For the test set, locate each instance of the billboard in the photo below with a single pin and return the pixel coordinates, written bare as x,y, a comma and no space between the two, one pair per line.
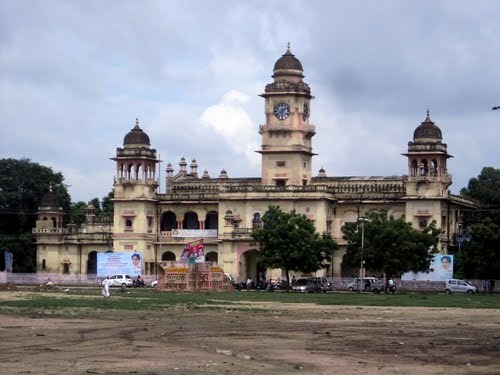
116,263
441,268
9,259
194,252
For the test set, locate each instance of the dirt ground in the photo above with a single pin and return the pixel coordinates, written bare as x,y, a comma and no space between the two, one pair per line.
284,339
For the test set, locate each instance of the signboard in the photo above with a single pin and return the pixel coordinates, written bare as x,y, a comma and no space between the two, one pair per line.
9,259
441,269
187,233
194,252
116,263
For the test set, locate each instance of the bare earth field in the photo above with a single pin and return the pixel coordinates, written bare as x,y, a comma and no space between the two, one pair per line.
282,339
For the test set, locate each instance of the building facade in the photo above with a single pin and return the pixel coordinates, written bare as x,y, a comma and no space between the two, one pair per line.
222,210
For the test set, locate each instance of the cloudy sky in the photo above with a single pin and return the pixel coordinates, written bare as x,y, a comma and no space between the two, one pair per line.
74,75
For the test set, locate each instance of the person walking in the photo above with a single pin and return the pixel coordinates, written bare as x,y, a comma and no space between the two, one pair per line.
105,287
485,286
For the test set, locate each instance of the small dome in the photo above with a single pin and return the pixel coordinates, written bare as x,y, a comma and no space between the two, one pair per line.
49,200
136,136
427,130
288,61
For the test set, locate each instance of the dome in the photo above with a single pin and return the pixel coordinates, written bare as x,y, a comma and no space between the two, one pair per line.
288,62
427,130
136,136
49,200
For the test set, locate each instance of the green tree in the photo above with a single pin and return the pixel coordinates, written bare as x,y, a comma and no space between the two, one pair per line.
22,185
289,241
480,257
486,190
78,212
108,204
390,245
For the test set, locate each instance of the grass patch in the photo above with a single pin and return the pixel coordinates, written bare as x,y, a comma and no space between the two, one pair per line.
150,299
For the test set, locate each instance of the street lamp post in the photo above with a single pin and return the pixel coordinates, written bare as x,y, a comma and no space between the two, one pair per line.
363,220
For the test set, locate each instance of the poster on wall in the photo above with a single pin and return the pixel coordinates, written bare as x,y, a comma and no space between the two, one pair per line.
116,263
194,252
441,268
9,260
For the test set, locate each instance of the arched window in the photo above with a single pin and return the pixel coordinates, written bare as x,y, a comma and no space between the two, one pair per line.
212,220
191,220
168,221
414,168
212,256
256,222
92,263
434,167
168,255
424,168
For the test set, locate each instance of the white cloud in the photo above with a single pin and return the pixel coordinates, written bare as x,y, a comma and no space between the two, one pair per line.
230,120
75,75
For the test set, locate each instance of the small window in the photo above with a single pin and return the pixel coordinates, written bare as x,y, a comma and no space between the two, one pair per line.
44,264
280,183
128,225
281,163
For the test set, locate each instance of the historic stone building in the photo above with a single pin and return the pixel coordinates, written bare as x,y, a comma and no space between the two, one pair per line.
223,210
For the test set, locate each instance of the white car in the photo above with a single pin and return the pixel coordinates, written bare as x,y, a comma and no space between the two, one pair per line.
120,280
459,286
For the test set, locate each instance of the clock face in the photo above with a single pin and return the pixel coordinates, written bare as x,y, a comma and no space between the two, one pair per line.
281,111
305,112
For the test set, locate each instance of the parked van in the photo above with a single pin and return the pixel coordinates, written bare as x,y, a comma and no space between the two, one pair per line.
459,286
370,284
321,284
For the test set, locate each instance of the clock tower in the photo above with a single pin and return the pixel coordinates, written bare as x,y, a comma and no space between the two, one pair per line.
287,134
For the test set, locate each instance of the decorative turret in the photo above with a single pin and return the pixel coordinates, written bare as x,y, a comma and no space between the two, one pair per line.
136,165
50,212
427,156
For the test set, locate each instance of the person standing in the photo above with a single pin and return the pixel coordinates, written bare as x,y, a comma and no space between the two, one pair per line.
105,287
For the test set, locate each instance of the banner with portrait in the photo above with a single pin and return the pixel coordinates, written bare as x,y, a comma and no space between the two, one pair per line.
119,263
441,269
194,252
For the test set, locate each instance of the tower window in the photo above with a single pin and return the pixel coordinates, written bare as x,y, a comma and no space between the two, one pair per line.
280,183
128,225
281,163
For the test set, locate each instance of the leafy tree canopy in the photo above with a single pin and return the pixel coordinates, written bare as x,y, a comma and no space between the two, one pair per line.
390,245
107,204
289,241
480,257
23,183
78,212
486,190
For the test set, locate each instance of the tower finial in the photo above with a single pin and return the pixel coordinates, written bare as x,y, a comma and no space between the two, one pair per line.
428,112
288,46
